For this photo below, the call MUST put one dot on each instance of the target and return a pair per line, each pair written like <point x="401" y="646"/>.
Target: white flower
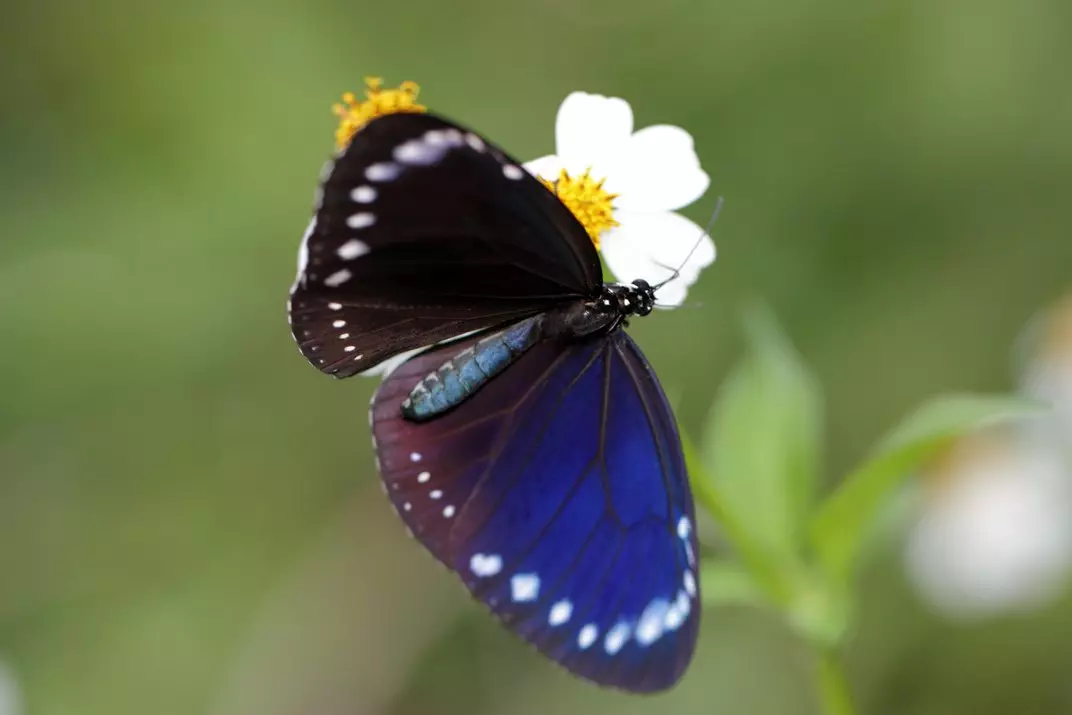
<point x="998" y="536"/>
<point x="646" y="176"/>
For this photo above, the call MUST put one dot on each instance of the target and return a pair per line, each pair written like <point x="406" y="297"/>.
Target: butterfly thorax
<point x="609" y="311"/>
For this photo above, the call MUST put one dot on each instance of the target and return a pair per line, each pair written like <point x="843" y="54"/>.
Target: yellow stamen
<point x="354" y="114"/>
<point x="587" y="200"/>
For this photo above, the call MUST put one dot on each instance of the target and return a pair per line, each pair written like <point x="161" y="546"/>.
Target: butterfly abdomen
<point x="466" y="372"/>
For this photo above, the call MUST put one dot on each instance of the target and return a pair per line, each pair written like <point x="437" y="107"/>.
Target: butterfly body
<point x="465" y="373"/>
<point x="462" y="375"/>
<point x="528" y="446"/>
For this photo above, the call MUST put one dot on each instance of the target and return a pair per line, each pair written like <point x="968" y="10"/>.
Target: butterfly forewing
<point x="424" y="231"/>
<point x="559" y="496"/>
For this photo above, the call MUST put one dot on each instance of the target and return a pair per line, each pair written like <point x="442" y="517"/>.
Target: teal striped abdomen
<point x="465" y="373"/>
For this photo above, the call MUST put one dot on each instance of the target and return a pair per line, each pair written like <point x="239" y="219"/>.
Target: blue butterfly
<point x="530" y="449"/>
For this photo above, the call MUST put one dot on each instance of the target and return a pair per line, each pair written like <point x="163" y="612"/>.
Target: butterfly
<point x="528" y="444"/>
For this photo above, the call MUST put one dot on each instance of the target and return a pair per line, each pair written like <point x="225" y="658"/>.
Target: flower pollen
<point x="586" y="199"/>
<point x="354" y="114"/>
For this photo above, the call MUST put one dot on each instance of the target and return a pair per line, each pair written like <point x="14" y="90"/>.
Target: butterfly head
<point x="626" y="300"/>
<point x="642" y="297"/>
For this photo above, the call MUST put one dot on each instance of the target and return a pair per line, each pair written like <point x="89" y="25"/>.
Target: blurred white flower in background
<point x="625" y="187"/>
<point x="995" y="535"/>
<point x="10" y="700"/>
<point x="1048" y="373"/>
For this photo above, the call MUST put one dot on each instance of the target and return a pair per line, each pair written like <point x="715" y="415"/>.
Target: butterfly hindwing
<point x="424" y="230"/>
<point x="559" y="496"/>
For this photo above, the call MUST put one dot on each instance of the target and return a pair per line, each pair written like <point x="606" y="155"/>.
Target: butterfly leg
<point x="465" y="373"/>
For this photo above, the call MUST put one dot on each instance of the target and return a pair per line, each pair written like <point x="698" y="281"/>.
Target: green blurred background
<point x="190" y="520"/>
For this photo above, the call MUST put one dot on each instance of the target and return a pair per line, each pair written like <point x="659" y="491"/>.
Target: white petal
<point x="652" y="245"/>
<point x="591" y="127"/>
<point x="546" y="166"/>
<point x="657" y="170"/>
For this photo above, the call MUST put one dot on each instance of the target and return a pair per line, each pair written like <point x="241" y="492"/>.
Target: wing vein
<point x="535" y="443"/>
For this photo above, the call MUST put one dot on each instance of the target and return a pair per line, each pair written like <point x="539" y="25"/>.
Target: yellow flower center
<point x="587" y="200"/>
<point x="354" y="114"/>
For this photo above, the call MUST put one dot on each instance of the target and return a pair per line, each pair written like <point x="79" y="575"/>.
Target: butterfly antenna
<point x="689" y="306"/>
<point x="677" y="271"/>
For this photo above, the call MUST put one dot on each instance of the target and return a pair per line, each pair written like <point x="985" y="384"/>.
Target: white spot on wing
<point x="524" y="587"/>
<point x="513" y="172"/>
<point x="325" y="170"/>
<point x="484" y="565"/>
<point x="560" y="612"/>
<point x="436" y="493"/>
<point x="435" y="137"/>
<point x="419" y="153"/>
<point x="616" y="638"/>
<point x="335" y="306"/>
<point x="448" y="511"/>
<point x="424" y="476"/>
<point x="303" y="250"/>
<point x="349" y="349"/>
<point x="690" y="583"/>
<point x="652" y="622"/>
<point x="339" y="324"/>
<point x="386" y="171"/>
<point x="443" y="137"/>
<point x="587" y="636"/>
<point x="363" y="195"/>
<point x="684" y="528"/>
<point x="678" y="612"/>
<point x="414" y="456"/>
<point x="352" y="248"/>
<point x="362" y="219"/>
<point x="338" y="278"/>
<point x="474" y="142"/>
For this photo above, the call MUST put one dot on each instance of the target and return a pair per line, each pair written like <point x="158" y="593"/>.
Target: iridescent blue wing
<point x="423" y="231"/>
<point x="559" y="496"/>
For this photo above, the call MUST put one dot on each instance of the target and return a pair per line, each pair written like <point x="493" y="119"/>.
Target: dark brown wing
<point x="424" y="231"/>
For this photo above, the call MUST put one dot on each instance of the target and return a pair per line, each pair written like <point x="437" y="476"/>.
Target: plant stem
<point x="834" y="695"/>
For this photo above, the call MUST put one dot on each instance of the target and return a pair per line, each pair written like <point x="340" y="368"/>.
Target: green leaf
<point x="840" y="525"/>
<point x="763" y="436"/>
<point x="725" y="584"/>
<point x="767" y="571"/>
